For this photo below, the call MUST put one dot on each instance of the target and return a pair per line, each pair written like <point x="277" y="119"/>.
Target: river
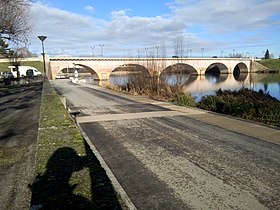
<point x="201" y="85"/>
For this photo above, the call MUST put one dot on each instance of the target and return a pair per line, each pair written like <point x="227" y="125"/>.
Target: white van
<point x="23" y="70"/>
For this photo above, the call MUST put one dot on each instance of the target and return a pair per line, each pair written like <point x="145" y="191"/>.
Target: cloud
<point x="215" y="25"/>
<point x="89" y="8"/>
<point x="228" y="15"/>
<point x="74" y="33"/>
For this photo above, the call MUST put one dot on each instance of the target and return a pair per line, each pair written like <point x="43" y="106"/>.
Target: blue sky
<point x="134" y="28"/>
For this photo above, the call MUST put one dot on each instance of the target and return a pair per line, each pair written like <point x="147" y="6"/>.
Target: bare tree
<point x="179" y="47"/>
<point x="15" y="25"/>
<point x="15" y="22"/>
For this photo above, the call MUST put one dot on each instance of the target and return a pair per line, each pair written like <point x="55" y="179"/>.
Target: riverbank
<point x="246" y="104"/>
<point x="271" y="64"/>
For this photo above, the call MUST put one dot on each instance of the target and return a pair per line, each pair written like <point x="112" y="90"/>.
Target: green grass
<point x="37" y="64"/>
<point x="68" y="175"/>
<point x="12" y="155"/>
<point x="184" y="100"/>
<point x="273" y="64"/>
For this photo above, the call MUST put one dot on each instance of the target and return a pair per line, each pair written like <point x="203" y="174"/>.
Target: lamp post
<point x="202" y="49"/>
<point x="42" y="38"/>
<point x="157" y="47"/>
<point x="92" y="50"/>
<point x="146" y="49"/>
<point x="101" y="49"/>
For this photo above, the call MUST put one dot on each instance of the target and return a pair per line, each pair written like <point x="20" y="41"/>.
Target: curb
<point x="117" y="186"/>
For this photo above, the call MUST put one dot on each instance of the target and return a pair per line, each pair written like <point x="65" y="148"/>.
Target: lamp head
<point x="42" y="38"/>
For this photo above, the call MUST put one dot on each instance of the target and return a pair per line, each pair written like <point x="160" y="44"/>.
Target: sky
<point x="139" y="28"/>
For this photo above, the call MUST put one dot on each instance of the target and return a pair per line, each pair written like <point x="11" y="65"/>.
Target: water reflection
<point x="175" y="78"/>
<point x="202" y="85"/>
<point x="216" y="78"/>
<point x="117" y="79"/>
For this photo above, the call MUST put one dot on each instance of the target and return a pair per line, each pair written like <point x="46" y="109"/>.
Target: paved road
<point x="166" y="158"/>
<point x="19" y="122"/>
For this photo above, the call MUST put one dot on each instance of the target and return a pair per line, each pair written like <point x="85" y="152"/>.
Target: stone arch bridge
<point x="103" y="67"/>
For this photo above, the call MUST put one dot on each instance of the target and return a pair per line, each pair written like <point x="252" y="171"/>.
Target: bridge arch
<point x="179" y="68"/>
<point x="217" y="68"/>
<point x="131" y="68"/>
<point x="129" y="74"/>
<point x="93" y="73"/>
<point x="217" y="73"/>
<point x="240" y="72"/>
<point x="179" y="73"/>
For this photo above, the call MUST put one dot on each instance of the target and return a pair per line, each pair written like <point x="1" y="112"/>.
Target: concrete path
<point x="161" y="156"/>
<point x="257" y="130"/>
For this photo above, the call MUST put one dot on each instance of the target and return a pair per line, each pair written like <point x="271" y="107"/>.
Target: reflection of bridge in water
<point x="101" y="68"/>
<point x="211" y="83"/>
<point x="194" y="83"/>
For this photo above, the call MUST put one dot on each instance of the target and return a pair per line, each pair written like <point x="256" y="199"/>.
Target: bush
<point x="247" y="104"/>
<point x="184" y="100"/>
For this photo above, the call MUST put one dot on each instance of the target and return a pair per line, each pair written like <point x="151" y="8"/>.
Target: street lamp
<point x="101" y="48"/>
<point x="202" y="51"/>
<point x="92" y="49"/>
<point x="146" y="49"/>
<point x="157" y="47"/>
<point x="42" y="38"/>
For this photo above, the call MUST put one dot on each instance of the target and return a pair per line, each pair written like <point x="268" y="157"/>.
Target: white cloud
<point x="227" y="15"/>
<point x="210" y="24"/>
<point x="89" y="8"/>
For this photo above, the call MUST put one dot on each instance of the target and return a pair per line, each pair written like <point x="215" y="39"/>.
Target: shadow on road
<point x="52" y="190"/>
<point x="18" y="96"/>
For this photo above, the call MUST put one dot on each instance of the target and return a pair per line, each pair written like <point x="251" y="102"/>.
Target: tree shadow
<point x="15" y="97"/>
<point x="52" y="190"/>
<point x="8" y="133"/>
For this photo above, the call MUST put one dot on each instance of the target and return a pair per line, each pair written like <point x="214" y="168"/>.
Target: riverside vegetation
<point x="258" y="106"/>
<point x="245" y="103"/>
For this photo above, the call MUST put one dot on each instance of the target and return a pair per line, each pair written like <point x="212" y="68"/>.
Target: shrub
<point x="184" y="100"/>
<point x="247" y="104"/>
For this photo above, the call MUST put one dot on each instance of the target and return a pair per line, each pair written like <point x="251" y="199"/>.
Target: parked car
<point x="6" y="78"/>
<point x="8" y="75"/>
<point x="61" y="76"/>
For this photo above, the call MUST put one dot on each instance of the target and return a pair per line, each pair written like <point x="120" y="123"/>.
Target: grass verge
<point x="270" y="63"/>
<point x="68" y="175"/>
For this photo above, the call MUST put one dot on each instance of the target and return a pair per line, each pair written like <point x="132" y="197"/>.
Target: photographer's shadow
<point x="52" y="190"/>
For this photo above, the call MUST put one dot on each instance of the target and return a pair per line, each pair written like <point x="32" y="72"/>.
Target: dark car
<point x="8" y="75"/>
